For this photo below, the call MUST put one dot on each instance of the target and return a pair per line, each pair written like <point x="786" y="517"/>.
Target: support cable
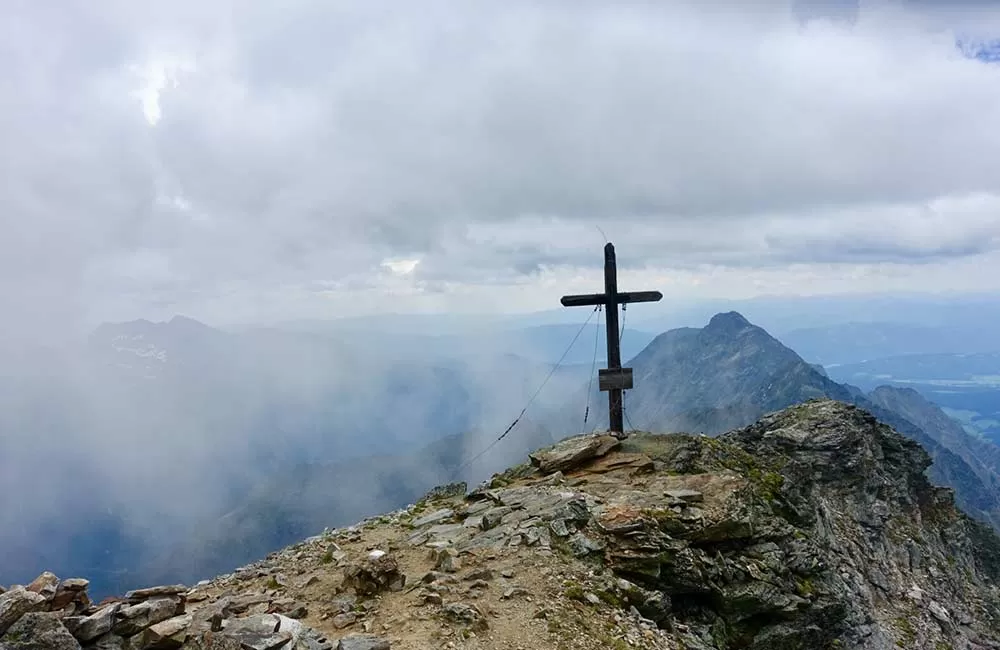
<point x="593" y="367"/>
<point x="621" y="335"/>
<point x="513" y="424"/>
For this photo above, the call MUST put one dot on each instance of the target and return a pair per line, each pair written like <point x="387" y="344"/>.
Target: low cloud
<point x="198" y="154"/>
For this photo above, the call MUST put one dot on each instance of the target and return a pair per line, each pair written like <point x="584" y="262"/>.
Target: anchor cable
<point x="530" y="400"/>
<point x="593" y="366"/>
<point x="625" y="413"/>
<point x="621" y="334"/>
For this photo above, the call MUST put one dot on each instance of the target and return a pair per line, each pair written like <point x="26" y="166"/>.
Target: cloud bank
<point x="250" y="161"/>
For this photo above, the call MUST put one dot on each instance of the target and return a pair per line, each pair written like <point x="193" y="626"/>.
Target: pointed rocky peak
<point x="720" y="377"/>
<point x="839" y="442"/>
<point x="182" y="325"/>
<point x="731" y="322"/>
<point x="185" y="323"/>
<point x="896" y="392"/>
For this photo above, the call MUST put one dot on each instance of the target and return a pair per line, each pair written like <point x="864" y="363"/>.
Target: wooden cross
<point x="614" y="379"/>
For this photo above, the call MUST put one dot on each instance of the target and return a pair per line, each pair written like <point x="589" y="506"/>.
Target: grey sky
<point x="258" y="160"/>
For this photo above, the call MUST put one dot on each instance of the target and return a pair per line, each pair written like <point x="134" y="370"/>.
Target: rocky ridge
<point x="814" y="527"/>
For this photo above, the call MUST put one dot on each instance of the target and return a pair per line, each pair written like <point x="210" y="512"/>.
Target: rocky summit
<point x="812" y="528"/>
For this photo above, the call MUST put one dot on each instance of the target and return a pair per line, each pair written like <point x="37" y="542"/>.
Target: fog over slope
<point x="116" y="451"/>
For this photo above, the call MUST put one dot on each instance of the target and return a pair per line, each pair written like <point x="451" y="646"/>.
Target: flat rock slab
<point x="135" y="618"/>
<point x="635" y="462"/>
<point x="435" y="517"/>
<point x="167" y="634"/>
<point x="573" y="453"/>
<point x="690" y="496"/>
<point x="152" y="592"/>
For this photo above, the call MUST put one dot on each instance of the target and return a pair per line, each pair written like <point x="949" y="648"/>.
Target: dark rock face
<point x="871" y="550"/>
<point x="717" y="378"/>
<point x="813" y="527"/>
<point x="832" y="536"/>
<point x="977" y="486"/>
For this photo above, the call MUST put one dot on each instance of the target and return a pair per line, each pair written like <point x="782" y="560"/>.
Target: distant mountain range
<point x="966" y="385"/>
<point x="249" y="440"/>
<point x="850" y="343"/>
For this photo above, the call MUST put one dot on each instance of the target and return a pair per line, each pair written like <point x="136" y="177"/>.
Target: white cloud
<point x="322" y="142"/>
<point x="401" y="266"/>
<point x="156" y="76"/>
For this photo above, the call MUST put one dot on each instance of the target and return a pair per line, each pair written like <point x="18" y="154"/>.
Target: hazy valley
<point x="292" y="429"/>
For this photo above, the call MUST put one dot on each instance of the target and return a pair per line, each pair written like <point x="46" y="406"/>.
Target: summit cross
<point x="614" y="379"/>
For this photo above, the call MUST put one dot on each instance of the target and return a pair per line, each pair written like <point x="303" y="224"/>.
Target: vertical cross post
<point x="616" y="417"/>
<point x="614" y="379"/>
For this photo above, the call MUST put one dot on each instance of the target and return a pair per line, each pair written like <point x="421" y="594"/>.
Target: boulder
<point x="111" y="642"/>
<point x="582" y="545"/>
<point x="468" y="615"/>
<point x="97" y="624"/>
<point x="375" y="574"/>
<point x="135" y="618"/>
<point x="258" y="632"/>
<point x="347" y="619"/>
<point x="363" y="642"/>
<point x="16" y="603"/>
<point x="212" y="641"/>
<point x="168" y="634"/>
<point x="45" y="585"/>
<point x="72" y="590"/>
<point x="39" y="631"/>
<point x="572" y="453"/>
<point x="446" y="559"/>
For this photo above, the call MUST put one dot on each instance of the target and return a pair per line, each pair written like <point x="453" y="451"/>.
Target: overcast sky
<point x="250" y="161"/>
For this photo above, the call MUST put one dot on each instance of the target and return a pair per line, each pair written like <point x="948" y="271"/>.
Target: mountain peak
<point x="730" y="321"/>
<point x="768" y="537"/>
<point x="186" y="323"/>
<point x="720" y="377"/>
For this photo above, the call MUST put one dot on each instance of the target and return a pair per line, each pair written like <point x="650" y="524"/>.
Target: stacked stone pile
<point x="54" y="614"/>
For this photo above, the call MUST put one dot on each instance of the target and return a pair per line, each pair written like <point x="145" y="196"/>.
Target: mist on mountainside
<point x="116" y="450"/>
<point x="198" y="447"/>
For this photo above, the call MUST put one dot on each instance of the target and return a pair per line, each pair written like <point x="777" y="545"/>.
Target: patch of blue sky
<point x="987" y="51"/>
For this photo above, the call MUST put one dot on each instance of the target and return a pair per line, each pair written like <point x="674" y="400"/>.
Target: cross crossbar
<point x="602" y="299"/>
<point x="615" y="378"/>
